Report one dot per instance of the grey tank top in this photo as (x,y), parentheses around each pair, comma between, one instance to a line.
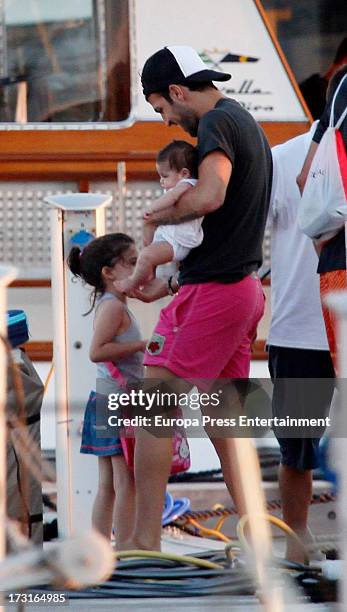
(131,367)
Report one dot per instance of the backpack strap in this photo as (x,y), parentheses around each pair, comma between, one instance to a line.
(344,113)
(116,374)
(341,120)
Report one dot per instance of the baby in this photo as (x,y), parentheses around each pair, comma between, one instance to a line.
(177,166)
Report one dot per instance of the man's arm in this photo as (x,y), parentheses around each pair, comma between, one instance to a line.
(302,177)
(154,290)
(207,196)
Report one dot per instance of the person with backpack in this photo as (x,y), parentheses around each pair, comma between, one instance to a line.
(314,88)
(332,255)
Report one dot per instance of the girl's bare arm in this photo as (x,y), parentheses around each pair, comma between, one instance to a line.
(108,321)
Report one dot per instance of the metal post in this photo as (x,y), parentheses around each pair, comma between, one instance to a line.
(76,219)
(3,41)
(121,182)
(338,303)
(100,15)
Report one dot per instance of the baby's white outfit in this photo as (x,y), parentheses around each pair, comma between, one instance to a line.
(184,236)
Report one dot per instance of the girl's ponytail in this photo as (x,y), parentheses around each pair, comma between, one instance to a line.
(74,260)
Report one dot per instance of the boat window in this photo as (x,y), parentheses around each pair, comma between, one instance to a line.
(64,61)
(309,32)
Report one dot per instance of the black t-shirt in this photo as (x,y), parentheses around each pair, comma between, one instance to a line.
(333,255)
(314,91)
(233,234)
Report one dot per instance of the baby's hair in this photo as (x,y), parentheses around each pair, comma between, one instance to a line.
(180,154)
(89,262)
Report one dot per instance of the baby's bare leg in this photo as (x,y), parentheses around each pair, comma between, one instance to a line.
(150,257)
(148,233)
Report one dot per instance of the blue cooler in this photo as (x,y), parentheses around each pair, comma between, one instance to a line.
(17,327)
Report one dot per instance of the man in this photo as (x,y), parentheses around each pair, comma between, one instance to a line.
(206,331)
(298,347)
(332,258)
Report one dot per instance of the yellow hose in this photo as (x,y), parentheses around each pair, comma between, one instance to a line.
(209,532)
(152,554)
(242,540)
(221,522)
(240,530)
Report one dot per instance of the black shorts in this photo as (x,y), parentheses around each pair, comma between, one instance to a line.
(291,397)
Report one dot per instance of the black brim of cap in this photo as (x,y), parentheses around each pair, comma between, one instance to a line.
(207,75)
(157,84)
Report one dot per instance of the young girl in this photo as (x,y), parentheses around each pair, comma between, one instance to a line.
(116,339)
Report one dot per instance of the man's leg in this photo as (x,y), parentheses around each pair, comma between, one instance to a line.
(296,492)
(196,335)
(153,458)
(227,453)
(233,400)
(297,374)
(230,406)
(241,470)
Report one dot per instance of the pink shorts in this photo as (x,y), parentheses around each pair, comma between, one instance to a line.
(207,330)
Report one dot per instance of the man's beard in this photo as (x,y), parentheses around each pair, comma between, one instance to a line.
(190,124)
(193,129)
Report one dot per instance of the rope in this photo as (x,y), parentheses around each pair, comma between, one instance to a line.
(275,504)
(189,522)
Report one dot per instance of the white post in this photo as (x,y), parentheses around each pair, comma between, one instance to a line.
(338,303)
(122,189)
(77,218)
(7,274)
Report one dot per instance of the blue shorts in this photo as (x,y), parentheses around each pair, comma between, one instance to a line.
(292,397)
(92,443)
